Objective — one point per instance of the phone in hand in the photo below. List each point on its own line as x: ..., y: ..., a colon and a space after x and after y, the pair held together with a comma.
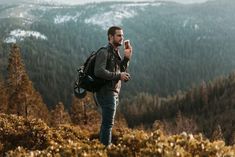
x: 127, y: 44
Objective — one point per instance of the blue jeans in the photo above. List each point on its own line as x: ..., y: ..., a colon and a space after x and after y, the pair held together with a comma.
x: 108, y: 104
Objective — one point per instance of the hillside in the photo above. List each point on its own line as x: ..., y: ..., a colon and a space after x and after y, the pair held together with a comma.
x: 177, y: 44
x: 202, y: 109
x: 205, y: 109
x: 32, y: 137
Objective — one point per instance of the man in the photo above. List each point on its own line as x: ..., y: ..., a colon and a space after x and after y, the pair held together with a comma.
x: 110, y: 66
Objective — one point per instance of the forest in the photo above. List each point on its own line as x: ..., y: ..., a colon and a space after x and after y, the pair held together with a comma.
x: 186, y: 43
x: 195, y: 122
x: 180, y: 100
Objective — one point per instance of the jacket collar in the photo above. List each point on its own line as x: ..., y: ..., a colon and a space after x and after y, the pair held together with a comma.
x: 116, y: 52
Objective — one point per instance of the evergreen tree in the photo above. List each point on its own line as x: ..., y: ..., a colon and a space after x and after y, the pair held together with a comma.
x: 23, y: 98
x: 232, y: 139
x: 15, y: 70
x: 59, y: 115
x: 76, y: 111
x: 3, y: 97
x: 84, y: 111
x: 204, y: 93
x: 120, y: 121
x: 217, y: 134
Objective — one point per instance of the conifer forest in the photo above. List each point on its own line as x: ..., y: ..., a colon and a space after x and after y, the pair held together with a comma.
x: 179, y: 102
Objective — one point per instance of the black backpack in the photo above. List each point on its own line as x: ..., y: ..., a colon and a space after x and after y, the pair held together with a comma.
x: 86, y: 79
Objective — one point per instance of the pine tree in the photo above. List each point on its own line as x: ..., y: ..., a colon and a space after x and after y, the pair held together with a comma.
x: 204, y: 93
x: 38, y: 108
x: 15, y: 70
x: 217, y: 134
x: 3, y: 97
x: 59, y: 115
x: 76, y: 111
x: 18, y: 101
x: 84, y: 111
x: 232, y: 139
x: 158, y: 125
x: 120, y: 121
x: 23, y: 98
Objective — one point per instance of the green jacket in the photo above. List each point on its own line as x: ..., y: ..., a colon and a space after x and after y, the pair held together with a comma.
x: 109, y: 65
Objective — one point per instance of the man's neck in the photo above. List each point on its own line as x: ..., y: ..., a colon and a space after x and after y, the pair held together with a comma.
x: 114, y: 47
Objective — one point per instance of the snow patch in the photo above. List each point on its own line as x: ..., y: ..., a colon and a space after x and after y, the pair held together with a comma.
x: 21, y: 15
x: 203, y: 38
x: 190, y: 22
x: 136, y: 5
x: 19, y: 34
x: 62, y: 19
x: 50, y: 7
x: 10, y: 40
x: 117, y: 14
x: 196, y: 27
x: 110, y: 18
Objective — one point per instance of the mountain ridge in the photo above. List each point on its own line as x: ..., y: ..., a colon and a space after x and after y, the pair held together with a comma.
x: 180, y: 42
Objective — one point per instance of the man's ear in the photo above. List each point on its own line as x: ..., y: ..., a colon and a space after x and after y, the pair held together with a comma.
x: 110, y: 37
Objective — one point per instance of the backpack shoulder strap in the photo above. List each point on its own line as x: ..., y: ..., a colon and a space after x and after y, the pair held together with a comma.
x: 105, y: 47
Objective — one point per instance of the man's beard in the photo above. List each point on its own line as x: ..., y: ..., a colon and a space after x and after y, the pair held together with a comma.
x: 117, y: 44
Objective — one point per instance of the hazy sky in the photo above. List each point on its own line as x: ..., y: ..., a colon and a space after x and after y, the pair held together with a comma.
x: 89, y: 1
x: 180, y: 1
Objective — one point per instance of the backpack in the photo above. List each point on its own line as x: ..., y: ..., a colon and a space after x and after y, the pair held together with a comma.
x: 86, y: 79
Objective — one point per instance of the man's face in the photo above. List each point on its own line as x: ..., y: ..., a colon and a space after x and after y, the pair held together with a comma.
x: 118, y: 38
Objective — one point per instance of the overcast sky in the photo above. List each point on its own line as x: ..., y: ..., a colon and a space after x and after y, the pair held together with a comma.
x: 180, y: 1
x: 89, y: 1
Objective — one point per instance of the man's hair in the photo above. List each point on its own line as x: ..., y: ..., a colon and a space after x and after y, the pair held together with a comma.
x: 112, y: 30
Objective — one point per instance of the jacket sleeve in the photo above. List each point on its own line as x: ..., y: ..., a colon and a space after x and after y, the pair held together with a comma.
x: 124, y: 64
x: 100, y: 67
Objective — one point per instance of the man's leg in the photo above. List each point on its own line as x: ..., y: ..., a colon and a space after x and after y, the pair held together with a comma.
x: 108, y: 105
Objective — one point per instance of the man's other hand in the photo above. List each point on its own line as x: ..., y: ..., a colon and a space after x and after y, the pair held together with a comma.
x: 125, y: 76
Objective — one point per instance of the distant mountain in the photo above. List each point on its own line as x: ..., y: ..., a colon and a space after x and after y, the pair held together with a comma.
x: 175, y: 45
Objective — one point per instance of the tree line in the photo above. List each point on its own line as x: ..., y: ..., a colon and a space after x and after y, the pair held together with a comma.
x: 18, y: 96
x: 207, y: 108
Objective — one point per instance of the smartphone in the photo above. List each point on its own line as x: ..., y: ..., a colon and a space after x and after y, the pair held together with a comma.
x: 126, y: 44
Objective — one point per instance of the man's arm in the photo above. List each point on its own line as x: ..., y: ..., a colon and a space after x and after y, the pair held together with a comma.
x: 100, y: 67
x: 124, y: 64
x: 127, y: 57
